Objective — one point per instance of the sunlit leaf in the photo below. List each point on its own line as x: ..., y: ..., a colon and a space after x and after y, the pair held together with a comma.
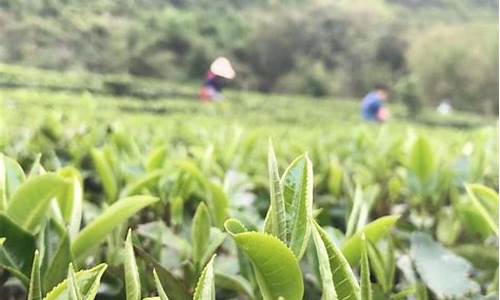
x: 486, y: 203
x: 74, y: 289
x: 200, y: 232
x: 88, y: 282
x: 374, y: 231
x: 29, y: 204
x: 297, y: 183
x: 346, y: 286
x: 159, y: 288
x: 106, y: 174
x: 132, y: 281
x: 95, y: 233
x: 276, y: 267
x: 205, y: 288
x: 325, y: 270
x: 276, y: 214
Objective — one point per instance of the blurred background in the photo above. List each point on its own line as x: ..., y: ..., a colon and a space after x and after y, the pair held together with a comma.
x: 426, y: 50
x: 106, y: 93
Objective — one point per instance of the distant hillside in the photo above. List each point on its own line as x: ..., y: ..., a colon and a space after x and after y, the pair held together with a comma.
x: 318, y: 47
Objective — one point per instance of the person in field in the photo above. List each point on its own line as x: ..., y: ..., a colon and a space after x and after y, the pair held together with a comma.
x: 219, y: 71
x: 372, y: 108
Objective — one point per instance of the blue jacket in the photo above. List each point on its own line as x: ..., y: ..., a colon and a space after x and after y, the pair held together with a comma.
x: 370, y: 107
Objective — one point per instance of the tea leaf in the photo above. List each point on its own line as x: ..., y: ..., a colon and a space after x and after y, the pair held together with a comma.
x: 94, y: 233
x: 35, y: 287
x: 485, y: 201
x: 106, y: 174
x: 88, y: 282
x: 156, y: 158
x: 159, y: 287
x: 345, y: 283
x: 422, y: 160
x: 445, y: 273
x: 29, y: 204
x: 132, y: 281
x: 378, y: 266
x: 325, y: 270
x: 235, y: 283
x: 200, y: 232
x: 174, y: 288
x: 56, y: 252
x: 146, y: 181
x: 16, y: 253
x: 276, y: 267
x: 276, y: 213
x: 366, y: 285
x: 74, y: 290
x: 71, y: 200
x: 374, y: 231
x: 297, y: 185
x: 11, y: 177
x: 205, y: 288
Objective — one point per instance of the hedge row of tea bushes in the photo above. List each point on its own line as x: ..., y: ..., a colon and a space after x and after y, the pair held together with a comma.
x: 195, y: 202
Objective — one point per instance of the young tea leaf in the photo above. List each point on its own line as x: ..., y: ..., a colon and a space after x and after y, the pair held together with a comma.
x: 35, y: 288
x: 485, y: 201
x: 200, y: 232
x: 276, y: 267
x: 88, y: 282
x: 94, y: 233
x: 159, y: 288
x: 276, y: 214
x: 325, y: 269
x: 105, y: 174
x: 346, y: 286
x: 74, y: 289
x: 374, y: 231
x: 366, y: 285
x: 297, y: 183
x: 205, y: 288
x: 29, y: 204
x: 132, y: 281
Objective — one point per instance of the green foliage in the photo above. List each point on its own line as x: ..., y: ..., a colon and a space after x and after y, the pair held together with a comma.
x: 95, y: 232
x: 317, y: 48
x: 205, y: 289
x: 333, y: 265
x: 16, y: 253
x: 276, y: 269
x: 406, y: 92
x: 178, y: 182
x: 374, y: 231
x: 276, y: 216
x: 30, y: 202
x: 486, y: 203
x: 35, y: 286
x: 87, y: 282
x: 161, y: 293
x: 200, y: 233
x: 132, y: 281
x: 366, y: 285
x: 106, y: 174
